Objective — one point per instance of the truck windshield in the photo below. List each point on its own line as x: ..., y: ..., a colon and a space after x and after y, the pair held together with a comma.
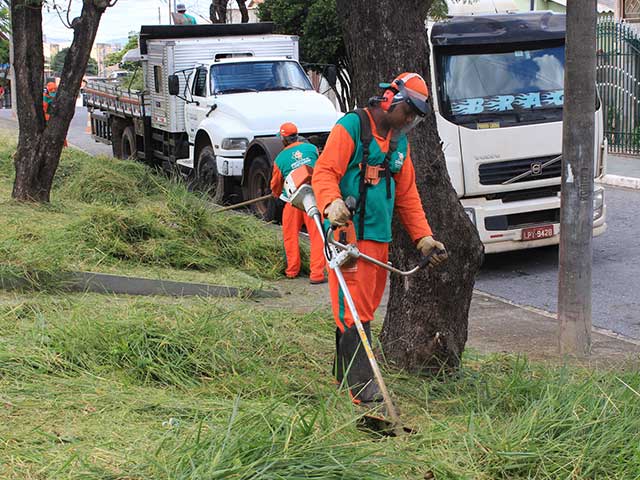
x: 258, y: 77
x: 503, y: 85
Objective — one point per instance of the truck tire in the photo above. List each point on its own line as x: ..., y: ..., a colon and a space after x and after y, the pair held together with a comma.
x: 257, y: 186
x: 206, y: 175
x: 128, y: 148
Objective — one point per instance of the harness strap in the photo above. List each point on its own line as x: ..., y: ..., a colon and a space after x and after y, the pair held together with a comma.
x: 366, y: 136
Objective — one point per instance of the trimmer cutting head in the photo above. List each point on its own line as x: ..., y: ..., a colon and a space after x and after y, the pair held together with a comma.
x: 381, y: 426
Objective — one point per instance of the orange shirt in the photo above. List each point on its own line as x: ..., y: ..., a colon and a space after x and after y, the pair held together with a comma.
x: 337, y: 173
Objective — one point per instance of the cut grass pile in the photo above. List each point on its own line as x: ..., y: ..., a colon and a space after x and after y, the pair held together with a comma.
x: 103, y: 387
x: 113, y: 215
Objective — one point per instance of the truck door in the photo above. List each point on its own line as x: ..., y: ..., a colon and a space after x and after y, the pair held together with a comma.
x: 197, y: 110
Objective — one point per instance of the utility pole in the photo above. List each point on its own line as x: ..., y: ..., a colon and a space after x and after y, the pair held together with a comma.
x: 170, y: 12
x: 576, y: 218
x: 159, y: 17
x: 532, y: 5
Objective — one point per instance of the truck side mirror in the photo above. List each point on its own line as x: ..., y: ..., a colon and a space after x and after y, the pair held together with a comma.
x: 331, y: 75
x: 174, y: 85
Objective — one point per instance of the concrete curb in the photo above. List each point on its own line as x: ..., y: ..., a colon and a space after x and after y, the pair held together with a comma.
x: 118, y: 284
x: 620, y: 181
x: 545, y: 313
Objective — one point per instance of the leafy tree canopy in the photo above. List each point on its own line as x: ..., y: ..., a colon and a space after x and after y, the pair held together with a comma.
x: 57, y: 63
x: 4, y: 51
x: 5, y: 28
x: 116, y: 57
x: 314, y: 21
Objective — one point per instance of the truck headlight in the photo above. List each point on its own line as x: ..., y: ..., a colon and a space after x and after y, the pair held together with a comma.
x: 471, y: 213
x: 598, y: 203
x: 235, y: 143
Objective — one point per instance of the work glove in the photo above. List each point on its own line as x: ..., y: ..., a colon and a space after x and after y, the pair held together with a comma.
x: 427, y: 244
x: 337, y: 212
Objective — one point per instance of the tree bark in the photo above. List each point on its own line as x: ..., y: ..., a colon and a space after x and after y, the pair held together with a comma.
x: 425, y: 328
x: 243, y: 11
x: 218, y: 11
x: 40, y: 144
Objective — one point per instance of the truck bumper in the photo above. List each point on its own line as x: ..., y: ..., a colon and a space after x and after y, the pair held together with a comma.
x: 500, y: 224
x: 229, y: 166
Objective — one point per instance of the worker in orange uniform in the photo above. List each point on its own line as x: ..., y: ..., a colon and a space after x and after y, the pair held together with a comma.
x: 48, y: 97
x: 294, y: 155
x: 367, y: 156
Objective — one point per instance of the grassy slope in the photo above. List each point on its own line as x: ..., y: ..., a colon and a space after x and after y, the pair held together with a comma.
x: 115, y: 216
x: 98, y: 387
x: 106, y: 387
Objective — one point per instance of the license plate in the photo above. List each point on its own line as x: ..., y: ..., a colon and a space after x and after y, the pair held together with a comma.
x: 536, y: 233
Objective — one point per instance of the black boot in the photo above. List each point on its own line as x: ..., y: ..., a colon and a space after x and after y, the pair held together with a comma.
x: 352, y: 360
x: 338, y: 371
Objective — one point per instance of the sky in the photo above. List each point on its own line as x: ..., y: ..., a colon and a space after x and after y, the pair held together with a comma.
x: 126, y: 16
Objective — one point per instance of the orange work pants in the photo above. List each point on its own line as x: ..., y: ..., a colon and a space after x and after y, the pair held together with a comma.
x: 292, y: 221
x: 365, y: 282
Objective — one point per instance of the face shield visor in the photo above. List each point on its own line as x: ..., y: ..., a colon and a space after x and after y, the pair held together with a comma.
x: 418, y: 104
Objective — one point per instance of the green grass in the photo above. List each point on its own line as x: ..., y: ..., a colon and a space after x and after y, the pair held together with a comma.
x: 102, y: 387
x: 118, y: 216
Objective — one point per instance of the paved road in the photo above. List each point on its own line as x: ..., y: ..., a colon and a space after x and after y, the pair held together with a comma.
x: 530, y: 277
x: 77, y: 136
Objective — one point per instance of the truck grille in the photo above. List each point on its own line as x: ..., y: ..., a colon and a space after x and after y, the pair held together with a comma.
x: 521, y: 220
x: 500, y: 172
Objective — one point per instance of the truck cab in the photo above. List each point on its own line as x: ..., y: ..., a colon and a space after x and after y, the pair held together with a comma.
x: 214, y: 98
x: 498, y: 97
x: 232, y: 102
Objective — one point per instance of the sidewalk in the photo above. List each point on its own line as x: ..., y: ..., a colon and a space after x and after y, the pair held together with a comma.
x: 622, y: 171
x: 495, y: 325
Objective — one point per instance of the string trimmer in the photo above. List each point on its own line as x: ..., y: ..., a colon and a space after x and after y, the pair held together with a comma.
x: 244, y: 204
x: 298, y: 188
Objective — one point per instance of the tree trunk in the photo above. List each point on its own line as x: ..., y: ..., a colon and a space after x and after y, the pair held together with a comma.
x: 243, y: 10
x: 40, y: 143
x: 425, y: 328
x: 218, y: 11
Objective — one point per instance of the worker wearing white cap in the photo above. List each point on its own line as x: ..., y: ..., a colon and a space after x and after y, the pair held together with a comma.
x: 182, y: 17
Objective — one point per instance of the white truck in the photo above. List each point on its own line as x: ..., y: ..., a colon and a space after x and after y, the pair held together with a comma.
x: 498, y: 85
x: 214, y: 98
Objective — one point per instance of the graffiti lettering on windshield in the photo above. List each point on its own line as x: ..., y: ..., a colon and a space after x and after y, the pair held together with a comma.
x: 507, y: 103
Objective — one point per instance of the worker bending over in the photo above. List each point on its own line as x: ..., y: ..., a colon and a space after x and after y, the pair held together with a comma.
x: 294, y: 155
x: 367, y: 156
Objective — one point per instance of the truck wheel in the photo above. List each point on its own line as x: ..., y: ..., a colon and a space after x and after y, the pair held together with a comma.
x: 128, y: 147
x: 206, y: 175
x: 258, y: 185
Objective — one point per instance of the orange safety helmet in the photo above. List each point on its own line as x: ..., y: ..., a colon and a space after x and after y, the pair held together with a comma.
x: 409, y: 88
x: 288, y: 132
x: 288, y: 129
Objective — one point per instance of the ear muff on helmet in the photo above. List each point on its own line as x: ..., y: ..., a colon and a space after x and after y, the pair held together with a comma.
x: 387, y: 99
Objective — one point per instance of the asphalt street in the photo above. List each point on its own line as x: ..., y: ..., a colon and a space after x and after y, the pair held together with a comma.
x: 530, y: 277
x: 77, y: 135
